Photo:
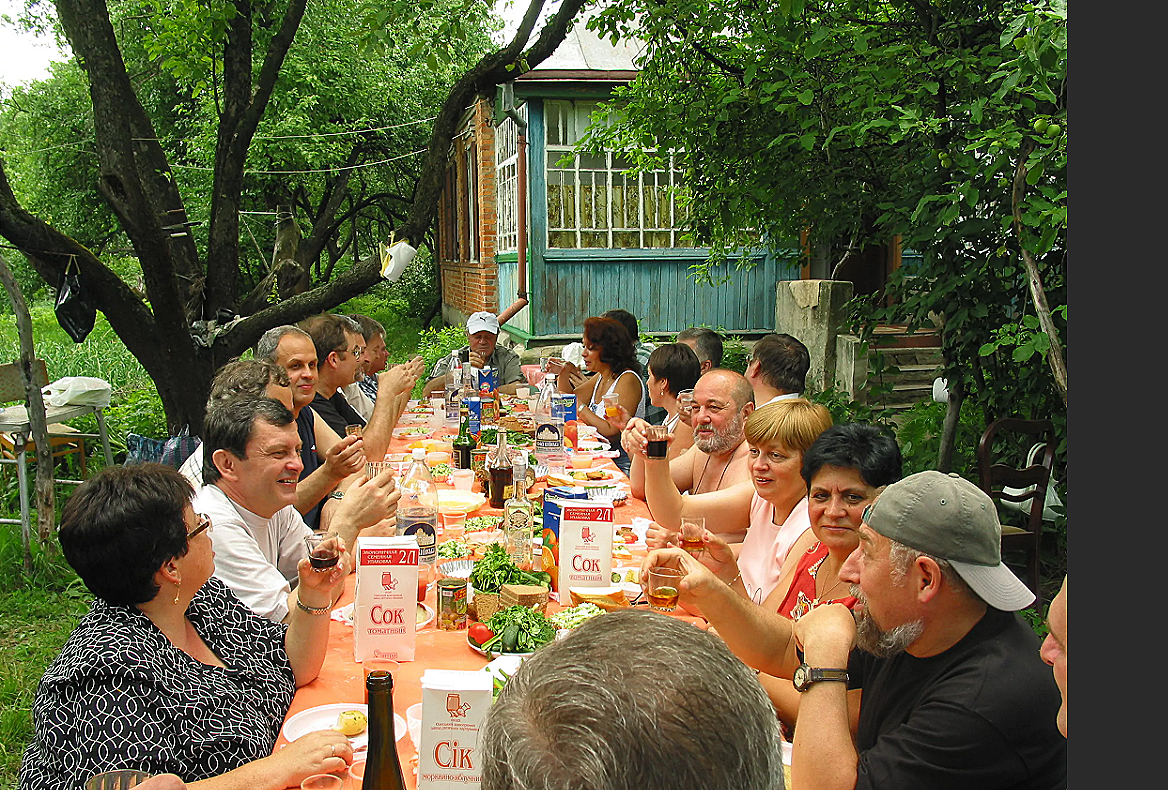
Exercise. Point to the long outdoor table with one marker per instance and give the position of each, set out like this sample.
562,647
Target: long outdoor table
341,678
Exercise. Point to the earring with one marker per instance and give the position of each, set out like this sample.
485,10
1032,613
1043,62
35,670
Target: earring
177,590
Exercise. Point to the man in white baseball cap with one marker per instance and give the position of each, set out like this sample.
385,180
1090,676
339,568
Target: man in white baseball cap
938,682
482,350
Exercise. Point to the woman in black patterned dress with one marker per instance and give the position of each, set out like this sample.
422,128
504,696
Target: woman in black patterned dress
168,672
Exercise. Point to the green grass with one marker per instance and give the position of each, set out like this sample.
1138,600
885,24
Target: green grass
37,614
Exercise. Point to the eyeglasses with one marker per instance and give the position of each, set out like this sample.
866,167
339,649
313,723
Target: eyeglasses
204,524
358,351
867,512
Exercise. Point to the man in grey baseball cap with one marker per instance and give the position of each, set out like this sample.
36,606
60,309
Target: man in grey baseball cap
482,348
932,680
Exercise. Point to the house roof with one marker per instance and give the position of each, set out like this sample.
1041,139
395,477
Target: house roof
585,55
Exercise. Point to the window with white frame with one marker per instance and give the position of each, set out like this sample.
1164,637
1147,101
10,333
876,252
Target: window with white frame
594,202
507,183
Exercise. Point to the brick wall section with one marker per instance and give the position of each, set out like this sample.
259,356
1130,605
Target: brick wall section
469,285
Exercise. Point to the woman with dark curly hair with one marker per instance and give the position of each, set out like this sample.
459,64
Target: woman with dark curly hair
169,672
608,352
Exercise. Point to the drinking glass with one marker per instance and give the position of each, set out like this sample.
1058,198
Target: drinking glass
354,430
324,550
692,528
462,479
116,780
556,463
357,774
454,524
322,782
611,405
374,468
658,436
523,393
685,402
663,588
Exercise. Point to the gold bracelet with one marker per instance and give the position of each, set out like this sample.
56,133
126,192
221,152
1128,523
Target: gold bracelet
735,580
311,609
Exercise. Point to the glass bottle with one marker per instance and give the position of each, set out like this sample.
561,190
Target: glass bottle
464,443
549,429
383,769
518,520
417,515
499,471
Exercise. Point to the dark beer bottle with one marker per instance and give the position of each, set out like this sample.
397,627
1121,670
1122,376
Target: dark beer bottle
464,443
383,770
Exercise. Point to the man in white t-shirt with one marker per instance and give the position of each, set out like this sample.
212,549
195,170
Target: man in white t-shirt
253,452
778,369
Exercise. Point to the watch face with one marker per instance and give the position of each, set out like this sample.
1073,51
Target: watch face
800,677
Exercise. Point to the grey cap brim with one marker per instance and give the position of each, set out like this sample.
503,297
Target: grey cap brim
996,585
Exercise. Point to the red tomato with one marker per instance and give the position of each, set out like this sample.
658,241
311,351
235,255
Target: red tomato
480,634
571,429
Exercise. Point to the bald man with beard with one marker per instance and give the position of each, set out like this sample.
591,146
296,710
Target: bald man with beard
719,457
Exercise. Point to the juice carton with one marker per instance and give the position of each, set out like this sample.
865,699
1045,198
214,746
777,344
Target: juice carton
454,706
385,612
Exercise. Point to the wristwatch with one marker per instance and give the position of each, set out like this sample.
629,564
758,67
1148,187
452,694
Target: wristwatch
806,675
337,494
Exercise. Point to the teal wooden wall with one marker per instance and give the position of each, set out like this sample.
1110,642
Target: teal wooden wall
568,286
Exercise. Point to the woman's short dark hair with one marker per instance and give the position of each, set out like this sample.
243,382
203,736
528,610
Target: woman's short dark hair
677,365
870,450
121,525
616,347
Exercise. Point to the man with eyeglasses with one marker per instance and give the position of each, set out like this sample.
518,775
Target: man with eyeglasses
719,457
340,349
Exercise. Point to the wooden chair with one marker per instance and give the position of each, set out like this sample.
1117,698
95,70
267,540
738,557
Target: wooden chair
16,440
1006,481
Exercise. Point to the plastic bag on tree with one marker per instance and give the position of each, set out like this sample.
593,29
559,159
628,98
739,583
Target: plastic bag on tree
74,311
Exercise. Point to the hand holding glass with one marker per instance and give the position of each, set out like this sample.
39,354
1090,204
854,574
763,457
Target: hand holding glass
692,529
658,441
663,588
324,550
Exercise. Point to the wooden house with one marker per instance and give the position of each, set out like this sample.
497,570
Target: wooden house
597,237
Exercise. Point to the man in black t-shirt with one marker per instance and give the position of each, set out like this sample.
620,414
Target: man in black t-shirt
938,681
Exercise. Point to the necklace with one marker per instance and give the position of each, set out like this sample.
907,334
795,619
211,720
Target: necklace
819,596
702,476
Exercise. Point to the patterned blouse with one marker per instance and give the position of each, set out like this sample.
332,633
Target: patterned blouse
120,695
800,598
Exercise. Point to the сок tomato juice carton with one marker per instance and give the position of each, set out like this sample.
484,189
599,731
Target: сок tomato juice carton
385,620
554,498
585,545
454,706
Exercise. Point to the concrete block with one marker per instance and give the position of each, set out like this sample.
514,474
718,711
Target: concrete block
814,312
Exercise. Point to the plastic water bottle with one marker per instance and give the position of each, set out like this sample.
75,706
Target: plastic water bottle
549,429
417,513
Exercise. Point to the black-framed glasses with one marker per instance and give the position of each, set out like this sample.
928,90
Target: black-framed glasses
867,512
204,524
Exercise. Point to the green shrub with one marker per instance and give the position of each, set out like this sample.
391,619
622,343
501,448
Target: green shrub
433,344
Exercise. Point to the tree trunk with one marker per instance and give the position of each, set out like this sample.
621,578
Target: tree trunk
949,429
45,496
1054,356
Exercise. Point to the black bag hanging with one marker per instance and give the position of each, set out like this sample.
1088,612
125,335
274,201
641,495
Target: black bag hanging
75,313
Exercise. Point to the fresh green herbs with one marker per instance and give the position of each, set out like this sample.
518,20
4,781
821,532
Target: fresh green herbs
519,630
496,569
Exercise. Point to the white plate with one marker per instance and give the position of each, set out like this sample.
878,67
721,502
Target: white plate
415,431
610,477
455,501
429,616
324,717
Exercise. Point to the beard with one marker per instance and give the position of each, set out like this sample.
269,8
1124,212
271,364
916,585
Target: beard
722,441
871,638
